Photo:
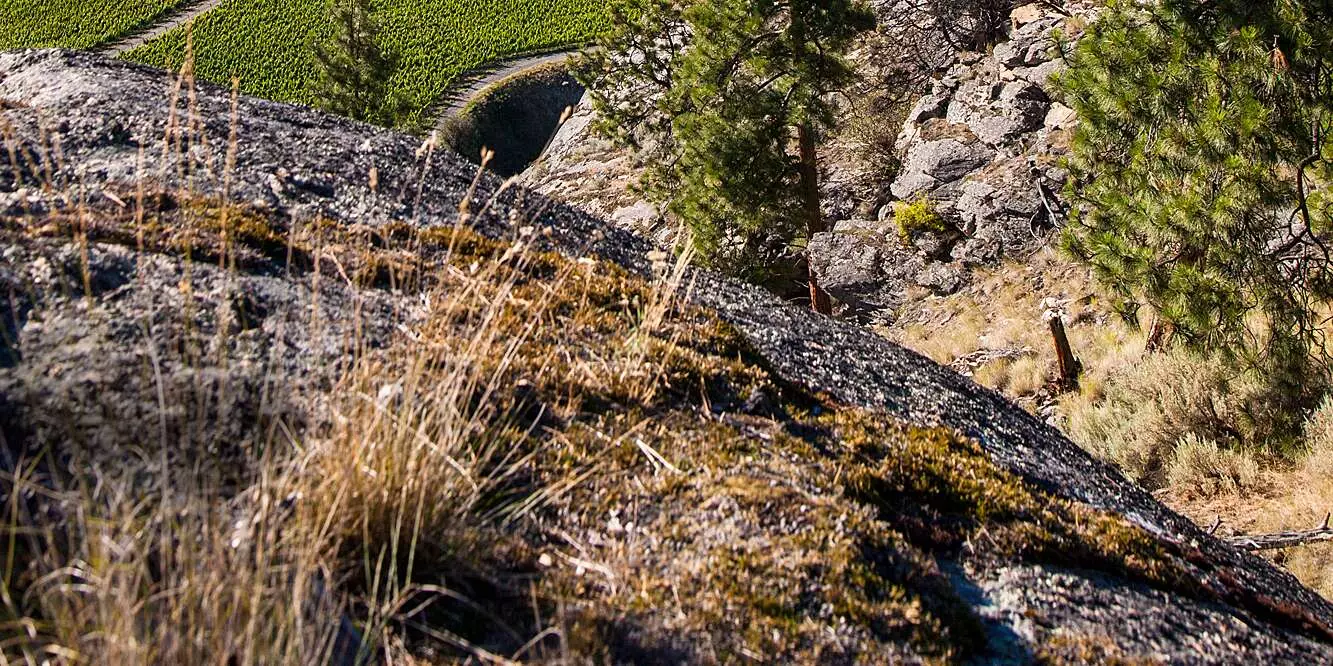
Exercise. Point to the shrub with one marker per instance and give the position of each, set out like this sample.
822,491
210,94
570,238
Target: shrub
1199,466
1020,377
1319,440
917,216
1147,410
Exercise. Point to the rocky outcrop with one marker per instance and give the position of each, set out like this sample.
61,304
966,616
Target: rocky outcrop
95,296
588,170
982,146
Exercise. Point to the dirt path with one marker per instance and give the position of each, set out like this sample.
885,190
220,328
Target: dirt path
471,84
184,13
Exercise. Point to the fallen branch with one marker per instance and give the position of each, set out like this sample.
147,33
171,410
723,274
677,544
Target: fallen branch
1283,539
980,357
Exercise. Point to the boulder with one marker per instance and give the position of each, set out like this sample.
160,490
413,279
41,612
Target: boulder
945,153
1083,565
863,272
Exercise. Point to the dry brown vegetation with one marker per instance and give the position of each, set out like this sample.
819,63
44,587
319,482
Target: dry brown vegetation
1001,311
557,459
1194,430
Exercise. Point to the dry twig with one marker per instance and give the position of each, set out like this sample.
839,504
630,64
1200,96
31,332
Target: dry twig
1283,539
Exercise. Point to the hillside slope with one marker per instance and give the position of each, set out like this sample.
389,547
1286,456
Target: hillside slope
754,482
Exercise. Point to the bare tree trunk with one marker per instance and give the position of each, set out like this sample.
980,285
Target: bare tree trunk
1070,368
1158,335
814,217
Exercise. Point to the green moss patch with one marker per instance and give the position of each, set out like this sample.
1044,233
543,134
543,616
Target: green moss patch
635,484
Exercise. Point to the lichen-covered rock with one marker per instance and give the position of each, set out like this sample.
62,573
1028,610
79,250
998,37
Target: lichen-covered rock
862,268
943,153
880,508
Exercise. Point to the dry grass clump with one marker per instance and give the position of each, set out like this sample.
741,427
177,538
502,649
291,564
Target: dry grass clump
1294,494
427,449
1200,466
113,575
1302,497
1297,497
1025,375
1318,453
1002,311
946,338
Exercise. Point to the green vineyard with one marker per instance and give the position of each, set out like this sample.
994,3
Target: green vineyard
74,24
266,42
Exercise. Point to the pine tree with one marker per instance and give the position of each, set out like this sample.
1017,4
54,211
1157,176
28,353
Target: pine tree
355,69
732,98
1202,171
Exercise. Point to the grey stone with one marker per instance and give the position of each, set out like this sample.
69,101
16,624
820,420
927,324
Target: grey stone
870,229
72,367
1038,53
934,245
854,267
929,106
1059,117
940,278
1009,54
1041,74
943,160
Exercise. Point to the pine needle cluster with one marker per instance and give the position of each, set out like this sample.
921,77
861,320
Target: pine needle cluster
1202,170
718,92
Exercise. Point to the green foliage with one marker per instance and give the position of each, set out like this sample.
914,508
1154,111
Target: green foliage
718,88
354,70
264,42
74,24
1201,167
916,216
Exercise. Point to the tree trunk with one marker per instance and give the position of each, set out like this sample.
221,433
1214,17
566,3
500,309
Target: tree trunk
1070,368
1159,333
814,217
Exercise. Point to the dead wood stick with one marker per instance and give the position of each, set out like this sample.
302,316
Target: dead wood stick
1070,368
1283,539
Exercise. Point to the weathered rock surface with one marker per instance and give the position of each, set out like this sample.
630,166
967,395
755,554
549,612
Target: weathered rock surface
72,359
983,146
586,169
